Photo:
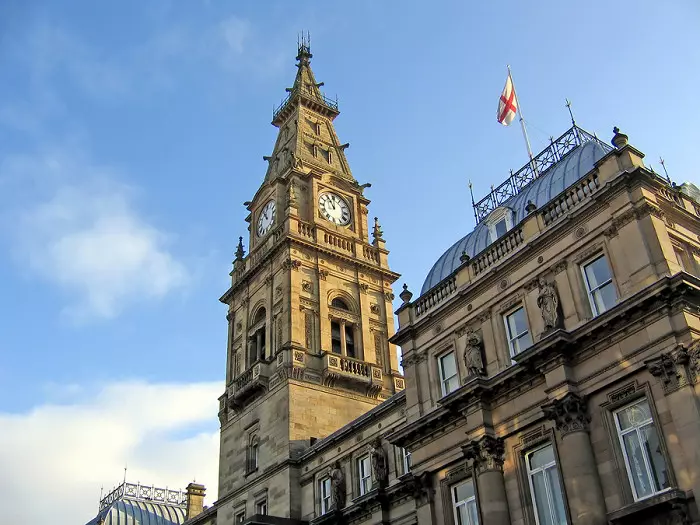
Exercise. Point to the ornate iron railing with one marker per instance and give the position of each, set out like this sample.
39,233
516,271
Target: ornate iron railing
557,150
144,493
318,97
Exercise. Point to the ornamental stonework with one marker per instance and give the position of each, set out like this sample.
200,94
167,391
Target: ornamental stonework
677,368
487,454
568,413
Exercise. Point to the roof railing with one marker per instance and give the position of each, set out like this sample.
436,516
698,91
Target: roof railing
315,96
140,492
557,150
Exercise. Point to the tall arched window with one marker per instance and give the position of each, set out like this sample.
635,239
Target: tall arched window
253,453
256,340
342,332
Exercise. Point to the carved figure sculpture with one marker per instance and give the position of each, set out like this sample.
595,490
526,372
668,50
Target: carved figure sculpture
473,359
380,465
548,301
337,486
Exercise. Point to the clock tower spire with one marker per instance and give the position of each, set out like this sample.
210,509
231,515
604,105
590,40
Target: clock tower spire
309,306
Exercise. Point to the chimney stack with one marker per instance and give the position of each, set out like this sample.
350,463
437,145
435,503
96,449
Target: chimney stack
195,499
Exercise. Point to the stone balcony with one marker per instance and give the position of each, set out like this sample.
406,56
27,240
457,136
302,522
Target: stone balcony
250,383
353,374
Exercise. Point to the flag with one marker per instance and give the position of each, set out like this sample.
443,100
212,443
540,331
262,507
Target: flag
507,105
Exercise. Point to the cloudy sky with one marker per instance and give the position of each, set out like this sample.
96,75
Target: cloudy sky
131,133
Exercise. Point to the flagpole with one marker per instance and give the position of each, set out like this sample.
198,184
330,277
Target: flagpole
522,121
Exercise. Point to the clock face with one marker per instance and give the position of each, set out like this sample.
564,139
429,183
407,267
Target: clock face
266,218
334,208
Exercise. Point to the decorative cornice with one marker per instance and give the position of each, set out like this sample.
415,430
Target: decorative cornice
676,368
568,413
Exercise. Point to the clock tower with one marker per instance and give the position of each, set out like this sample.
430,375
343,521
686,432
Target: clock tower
309,309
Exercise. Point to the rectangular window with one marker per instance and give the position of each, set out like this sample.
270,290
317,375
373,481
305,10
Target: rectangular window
261,508
449,380
545,487
641,448
364,474
336,345
324,490
500,228
464,504
349,341
406,460
599,285
519,338
240,517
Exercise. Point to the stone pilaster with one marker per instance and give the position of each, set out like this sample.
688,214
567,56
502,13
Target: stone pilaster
487,455
578,466
677,371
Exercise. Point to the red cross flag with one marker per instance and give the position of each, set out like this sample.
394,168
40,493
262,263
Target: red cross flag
508,104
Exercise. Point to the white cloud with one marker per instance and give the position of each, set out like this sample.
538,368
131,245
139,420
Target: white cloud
235,32
55,458
85,235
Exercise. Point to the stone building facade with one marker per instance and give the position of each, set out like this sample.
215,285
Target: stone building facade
550,360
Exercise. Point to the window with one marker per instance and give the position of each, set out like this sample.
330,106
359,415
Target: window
449,381
253,453
364,475
256,342
641,448
599,285
545,487
349,342
261,508
464,504
342,332
324,490
519,338
336,339
500,221
406,460
340,304
240,517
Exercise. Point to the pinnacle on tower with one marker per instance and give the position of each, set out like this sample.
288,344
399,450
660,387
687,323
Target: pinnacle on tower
240,252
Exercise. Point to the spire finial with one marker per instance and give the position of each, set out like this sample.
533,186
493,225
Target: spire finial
405,295
240,252
571,113
304,49
377,232
471,192
663,165
619,140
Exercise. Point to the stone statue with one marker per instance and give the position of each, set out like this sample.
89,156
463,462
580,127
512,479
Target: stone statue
473,359
548,301
337,486
380,466
292,195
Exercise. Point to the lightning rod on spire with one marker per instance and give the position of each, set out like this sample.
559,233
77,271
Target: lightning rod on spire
571,113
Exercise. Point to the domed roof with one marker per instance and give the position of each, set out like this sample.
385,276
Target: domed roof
577,163
139,512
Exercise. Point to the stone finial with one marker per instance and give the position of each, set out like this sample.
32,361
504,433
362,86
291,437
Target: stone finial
487,453
377,232
406,294
619,140
240,252
568,413
531,206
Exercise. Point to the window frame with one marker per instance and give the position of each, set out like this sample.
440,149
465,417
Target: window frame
456,504
240,517
362,476
529,473
405,460
586,285
443,379
324,499
261,506
647,462
499,214
509,339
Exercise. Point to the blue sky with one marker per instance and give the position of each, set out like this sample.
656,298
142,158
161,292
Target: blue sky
132,132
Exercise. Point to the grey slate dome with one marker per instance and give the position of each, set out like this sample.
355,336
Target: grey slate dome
575,165
139,512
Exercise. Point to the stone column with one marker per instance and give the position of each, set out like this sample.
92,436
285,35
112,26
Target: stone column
677,371
578,466
487,454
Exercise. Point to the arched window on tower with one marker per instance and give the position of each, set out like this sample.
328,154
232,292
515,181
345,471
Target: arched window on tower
342,332
256,340
253,453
